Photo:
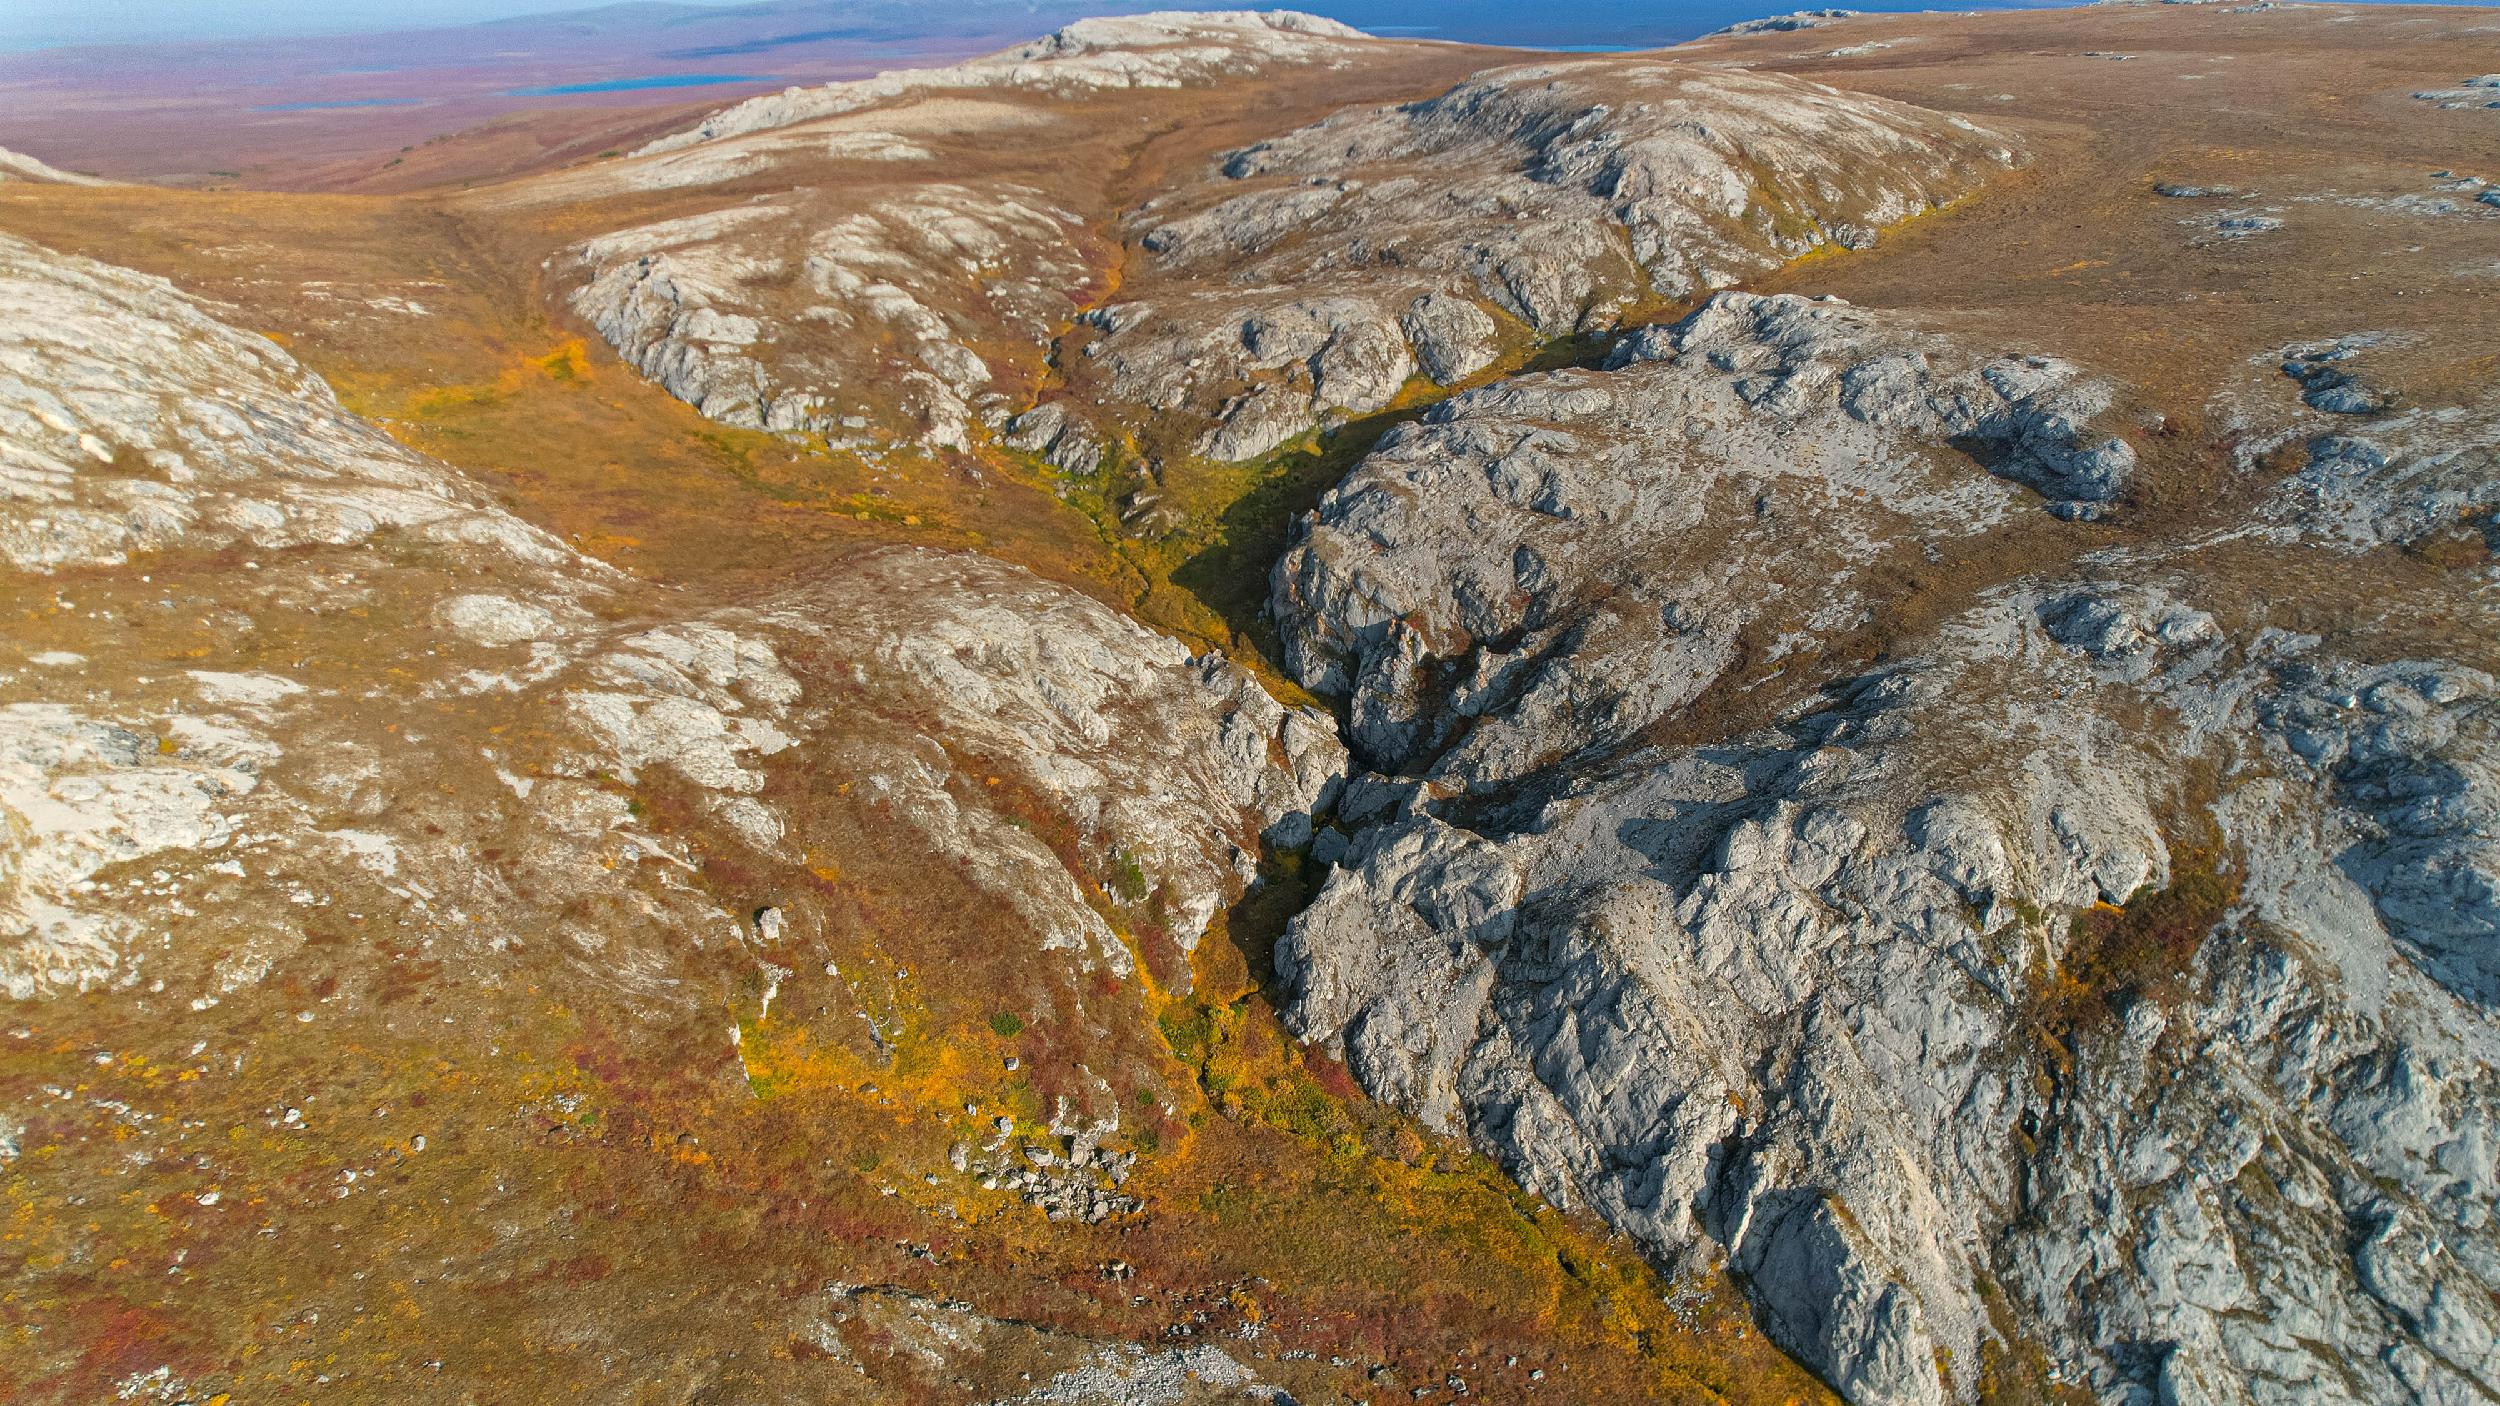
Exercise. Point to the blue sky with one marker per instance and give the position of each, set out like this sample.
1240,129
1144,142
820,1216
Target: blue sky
29,23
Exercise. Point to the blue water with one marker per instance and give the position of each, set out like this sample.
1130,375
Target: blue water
1595,26
337,103
635,85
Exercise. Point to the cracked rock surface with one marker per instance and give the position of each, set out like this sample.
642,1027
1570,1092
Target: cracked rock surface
549,685
1320,268
1297,279
1872,664
2094,964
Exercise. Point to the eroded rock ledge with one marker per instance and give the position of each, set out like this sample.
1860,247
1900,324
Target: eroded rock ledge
2103,970
1299,279
1324,267
966,712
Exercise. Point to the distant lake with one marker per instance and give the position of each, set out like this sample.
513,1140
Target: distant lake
1597,26
635,85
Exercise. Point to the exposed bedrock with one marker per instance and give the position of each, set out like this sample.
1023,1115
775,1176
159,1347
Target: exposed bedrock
872,294
957,701
1317,271
2100,972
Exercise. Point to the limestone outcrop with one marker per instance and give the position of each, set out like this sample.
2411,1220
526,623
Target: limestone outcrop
2101,966
141,430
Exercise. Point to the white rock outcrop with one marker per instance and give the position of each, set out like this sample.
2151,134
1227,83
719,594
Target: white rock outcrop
132,421
1162,49
2096,970
599,736
18,166
1322,264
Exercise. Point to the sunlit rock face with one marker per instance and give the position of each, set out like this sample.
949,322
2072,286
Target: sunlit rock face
1298,279
144,433
2090,951
1892,696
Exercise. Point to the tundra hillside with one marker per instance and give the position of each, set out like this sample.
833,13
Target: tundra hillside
1215,709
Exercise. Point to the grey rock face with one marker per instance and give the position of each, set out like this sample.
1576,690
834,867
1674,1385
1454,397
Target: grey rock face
2230,226
1256,422
1554,562
2478,92
658,297
703,305
2407,752
2329,382
2397,475
136,423
2397,487
1062,440
1040,677
1777,998
1452,337
1824,997
1560,195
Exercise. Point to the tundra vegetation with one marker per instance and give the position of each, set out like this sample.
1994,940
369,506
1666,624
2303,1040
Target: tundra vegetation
1218,709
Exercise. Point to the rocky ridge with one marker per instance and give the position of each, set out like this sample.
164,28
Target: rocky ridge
18,166
552,689
2106,950
1529,202
1161,49
1323,267
897,312
1912,810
